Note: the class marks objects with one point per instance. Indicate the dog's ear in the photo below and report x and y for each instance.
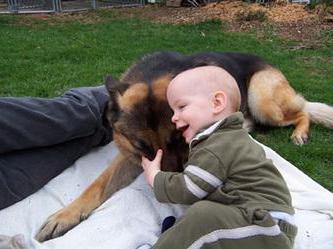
(115, 89)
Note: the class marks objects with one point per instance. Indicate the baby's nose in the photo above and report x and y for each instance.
(174, 118)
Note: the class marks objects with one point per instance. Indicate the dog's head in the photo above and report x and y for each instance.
(141, 121)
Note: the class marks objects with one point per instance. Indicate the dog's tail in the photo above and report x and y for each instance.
(320, 113)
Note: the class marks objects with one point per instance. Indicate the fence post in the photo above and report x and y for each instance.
(56, 5)
(12, 6)
(93, 4)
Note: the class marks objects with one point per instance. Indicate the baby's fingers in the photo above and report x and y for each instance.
(158, 156)
(144, 161)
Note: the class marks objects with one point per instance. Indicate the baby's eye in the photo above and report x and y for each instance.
(181, 107)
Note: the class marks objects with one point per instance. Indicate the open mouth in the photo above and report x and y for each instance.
(183, 129)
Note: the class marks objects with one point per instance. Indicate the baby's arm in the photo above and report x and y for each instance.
(187, 187)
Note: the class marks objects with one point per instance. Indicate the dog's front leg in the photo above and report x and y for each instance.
(118, 175)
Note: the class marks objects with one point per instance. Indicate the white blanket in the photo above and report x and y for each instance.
(132, 217)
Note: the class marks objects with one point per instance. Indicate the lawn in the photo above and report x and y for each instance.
(44, 58)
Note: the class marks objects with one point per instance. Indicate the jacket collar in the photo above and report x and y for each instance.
(235, 120)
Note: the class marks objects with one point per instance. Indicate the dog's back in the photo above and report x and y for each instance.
(153, 66)
(156, 65)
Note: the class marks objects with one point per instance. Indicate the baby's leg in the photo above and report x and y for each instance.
(213, 225)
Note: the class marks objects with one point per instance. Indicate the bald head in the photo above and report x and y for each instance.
(208, 80)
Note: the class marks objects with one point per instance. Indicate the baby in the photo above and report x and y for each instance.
(238, 198)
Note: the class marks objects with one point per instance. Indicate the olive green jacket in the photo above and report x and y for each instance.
(226, 165)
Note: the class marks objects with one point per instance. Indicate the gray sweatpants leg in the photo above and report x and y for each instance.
(41, 137)
(27, 123)
(213, 225)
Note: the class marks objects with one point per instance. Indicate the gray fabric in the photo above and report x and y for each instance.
(38, 122)
(41, 137)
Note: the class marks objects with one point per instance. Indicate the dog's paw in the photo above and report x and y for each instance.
(300, 138)
(58, 224)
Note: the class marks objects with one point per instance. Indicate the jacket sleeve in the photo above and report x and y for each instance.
(202, 175)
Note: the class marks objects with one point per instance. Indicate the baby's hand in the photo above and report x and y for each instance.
(151, 168)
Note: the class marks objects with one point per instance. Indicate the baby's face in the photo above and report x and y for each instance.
(193, 109)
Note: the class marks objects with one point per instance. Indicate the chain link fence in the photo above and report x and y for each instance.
(45, 6)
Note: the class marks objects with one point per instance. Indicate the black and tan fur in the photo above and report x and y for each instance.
(141, 120)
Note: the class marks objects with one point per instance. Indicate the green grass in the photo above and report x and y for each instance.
(45, 58)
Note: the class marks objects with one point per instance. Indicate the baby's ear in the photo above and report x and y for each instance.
(219, 101)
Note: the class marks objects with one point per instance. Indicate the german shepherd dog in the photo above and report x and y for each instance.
(140, 117)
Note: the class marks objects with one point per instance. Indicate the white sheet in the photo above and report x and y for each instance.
(132, 217)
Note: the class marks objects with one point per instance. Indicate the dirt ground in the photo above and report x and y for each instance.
(289, 21)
